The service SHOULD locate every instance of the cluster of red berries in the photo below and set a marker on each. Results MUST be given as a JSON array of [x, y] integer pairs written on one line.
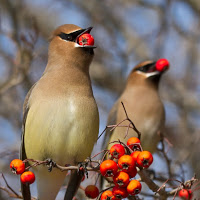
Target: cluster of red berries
[[185, 194], [18, 167], [121, 167]]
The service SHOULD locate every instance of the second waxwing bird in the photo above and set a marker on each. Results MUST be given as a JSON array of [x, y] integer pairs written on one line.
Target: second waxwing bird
[[143, 105], [60, 114]]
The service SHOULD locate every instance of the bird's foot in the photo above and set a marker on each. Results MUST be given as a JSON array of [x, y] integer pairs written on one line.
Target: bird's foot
[[50, 164], [82, 166]]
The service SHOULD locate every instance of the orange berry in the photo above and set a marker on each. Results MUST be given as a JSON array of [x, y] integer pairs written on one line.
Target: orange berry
[[121, 179], [135, 154], [91, 191], [134, 143], [144, 159], [119, 192], [108, 168], [134, 187], [17, 166], [107, 195], [27, 177], [126, 163], [117, 150]]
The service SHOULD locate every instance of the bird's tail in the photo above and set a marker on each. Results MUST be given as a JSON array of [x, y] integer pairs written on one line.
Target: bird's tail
[[26, 192], [74, 183], [48, 183]]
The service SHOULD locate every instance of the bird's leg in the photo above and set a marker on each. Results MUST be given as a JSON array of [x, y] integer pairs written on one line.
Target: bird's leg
[[50, 164], [82, 168]]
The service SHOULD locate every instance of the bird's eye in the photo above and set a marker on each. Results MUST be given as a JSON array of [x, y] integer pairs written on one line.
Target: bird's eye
[[142, 69], [65, 36], [147, 68], [69, 37]]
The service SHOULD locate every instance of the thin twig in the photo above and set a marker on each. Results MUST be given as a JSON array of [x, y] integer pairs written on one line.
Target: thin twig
[[134, 127], [8, 186]]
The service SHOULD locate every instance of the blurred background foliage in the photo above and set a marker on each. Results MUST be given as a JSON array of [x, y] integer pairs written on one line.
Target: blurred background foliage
[[126, 32]]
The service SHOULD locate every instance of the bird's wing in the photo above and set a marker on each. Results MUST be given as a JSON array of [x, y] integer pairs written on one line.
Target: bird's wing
[[25, 188], [112, 119]]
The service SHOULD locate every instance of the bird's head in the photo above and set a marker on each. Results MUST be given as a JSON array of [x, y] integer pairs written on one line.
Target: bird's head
[[149, 71], [70, 42]]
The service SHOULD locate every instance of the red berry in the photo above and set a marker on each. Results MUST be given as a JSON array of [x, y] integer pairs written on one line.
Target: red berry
[[126, 163], [86, 40], [144, 159], [132, 173], [190, 193], [134, 187], [107, 195], [91, 191], [17, 166], [117, 150], [108, 168], [27, 177], [134, 155], [119, 192], [162, 64], [121, 179], [184, 194], [134, 143]]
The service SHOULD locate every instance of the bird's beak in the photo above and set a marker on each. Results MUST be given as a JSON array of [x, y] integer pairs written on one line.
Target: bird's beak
[[153, 71], [83, 31]]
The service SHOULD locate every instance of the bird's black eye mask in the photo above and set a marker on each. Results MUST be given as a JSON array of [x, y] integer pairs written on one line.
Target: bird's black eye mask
[[147, 68], [71, 36]]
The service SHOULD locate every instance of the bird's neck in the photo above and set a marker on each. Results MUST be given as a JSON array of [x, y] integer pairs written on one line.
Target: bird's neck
[[68, 71], [67, 62]]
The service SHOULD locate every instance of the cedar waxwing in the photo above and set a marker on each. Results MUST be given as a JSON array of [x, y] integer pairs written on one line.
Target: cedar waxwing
[[143, 105], [60, 115]]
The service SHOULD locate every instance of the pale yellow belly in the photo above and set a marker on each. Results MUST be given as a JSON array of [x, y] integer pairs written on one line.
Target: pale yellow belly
[[63, 131]]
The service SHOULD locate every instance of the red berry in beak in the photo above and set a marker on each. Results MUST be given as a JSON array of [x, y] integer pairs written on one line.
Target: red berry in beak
[[86, 40], [162, 65]]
